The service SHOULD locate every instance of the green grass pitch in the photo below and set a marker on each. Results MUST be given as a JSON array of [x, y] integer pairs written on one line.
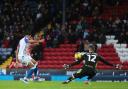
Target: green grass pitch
[[58, 85]]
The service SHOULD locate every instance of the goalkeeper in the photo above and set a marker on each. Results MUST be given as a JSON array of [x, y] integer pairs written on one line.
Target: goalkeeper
[[91, 59]]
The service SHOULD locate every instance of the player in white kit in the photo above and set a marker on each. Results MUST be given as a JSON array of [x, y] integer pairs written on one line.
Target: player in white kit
[[23, 56]]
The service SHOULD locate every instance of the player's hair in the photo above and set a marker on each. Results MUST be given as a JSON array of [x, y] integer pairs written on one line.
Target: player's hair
[[93, 47]]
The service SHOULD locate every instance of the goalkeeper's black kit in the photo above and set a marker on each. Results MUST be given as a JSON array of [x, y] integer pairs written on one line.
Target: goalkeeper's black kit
[[89, 68]]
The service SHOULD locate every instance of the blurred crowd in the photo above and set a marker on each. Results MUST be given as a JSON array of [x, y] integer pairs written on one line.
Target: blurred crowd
[[16, 19], [19, 17]]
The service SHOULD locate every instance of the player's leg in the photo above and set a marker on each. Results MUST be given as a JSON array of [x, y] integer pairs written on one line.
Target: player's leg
[[79, 74], [91, 73], [33, 67], [28, 73], [35, 71], [30, 70], [28, 61]]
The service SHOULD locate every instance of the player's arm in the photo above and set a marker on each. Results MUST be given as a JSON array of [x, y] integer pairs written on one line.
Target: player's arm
[[118, 66], [105, 62], [32, 41], [66, 66], [34, 44], [35, 41], [76, 62]]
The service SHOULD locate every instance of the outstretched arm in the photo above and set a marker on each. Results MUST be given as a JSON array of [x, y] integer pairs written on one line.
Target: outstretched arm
[[117, 66], [36, 41], [33, 41], [105, 62], [75, 63], [66, 66]]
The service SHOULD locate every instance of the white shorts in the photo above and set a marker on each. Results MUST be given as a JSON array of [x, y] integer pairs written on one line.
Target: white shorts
[[25, 59]]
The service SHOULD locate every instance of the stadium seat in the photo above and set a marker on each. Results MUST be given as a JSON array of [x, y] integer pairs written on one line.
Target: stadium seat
[[65, 55]]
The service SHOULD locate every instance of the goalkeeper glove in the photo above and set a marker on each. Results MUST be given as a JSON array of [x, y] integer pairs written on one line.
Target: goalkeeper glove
[[118, 66], [66, 66]]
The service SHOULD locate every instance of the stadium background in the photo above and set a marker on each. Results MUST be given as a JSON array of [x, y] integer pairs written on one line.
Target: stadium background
[[66, 25]]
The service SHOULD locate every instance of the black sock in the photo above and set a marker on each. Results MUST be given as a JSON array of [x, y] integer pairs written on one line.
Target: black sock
[[70, 79]]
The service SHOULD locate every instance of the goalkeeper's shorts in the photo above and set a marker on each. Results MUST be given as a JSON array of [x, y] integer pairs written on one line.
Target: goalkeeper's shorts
[[90, 72]]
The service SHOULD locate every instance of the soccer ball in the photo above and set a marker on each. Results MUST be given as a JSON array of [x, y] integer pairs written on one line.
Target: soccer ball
[[78, 55]]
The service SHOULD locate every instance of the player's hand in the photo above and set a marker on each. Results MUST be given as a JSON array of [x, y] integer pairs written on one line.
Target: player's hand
[[66, 66], [118, 66]]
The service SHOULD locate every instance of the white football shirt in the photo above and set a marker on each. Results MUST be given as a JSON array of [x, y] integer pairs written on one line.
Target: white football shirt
[[23, 46]]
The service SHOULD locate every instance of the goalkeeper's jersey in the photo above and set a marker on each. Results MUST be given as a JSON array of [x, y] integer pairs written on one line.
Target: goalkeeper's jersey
[[91, 59]]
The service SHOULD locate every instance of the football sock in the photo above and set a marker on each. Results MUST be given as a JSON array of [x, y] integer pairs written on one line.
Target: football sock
[[70, 79], [36, 71], [29, 73], [32, 70]]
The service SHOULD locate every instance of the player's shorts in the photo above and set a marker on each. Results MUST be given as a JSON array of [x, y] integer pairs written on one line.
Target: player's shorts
[[85, 71], [25, 59]]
